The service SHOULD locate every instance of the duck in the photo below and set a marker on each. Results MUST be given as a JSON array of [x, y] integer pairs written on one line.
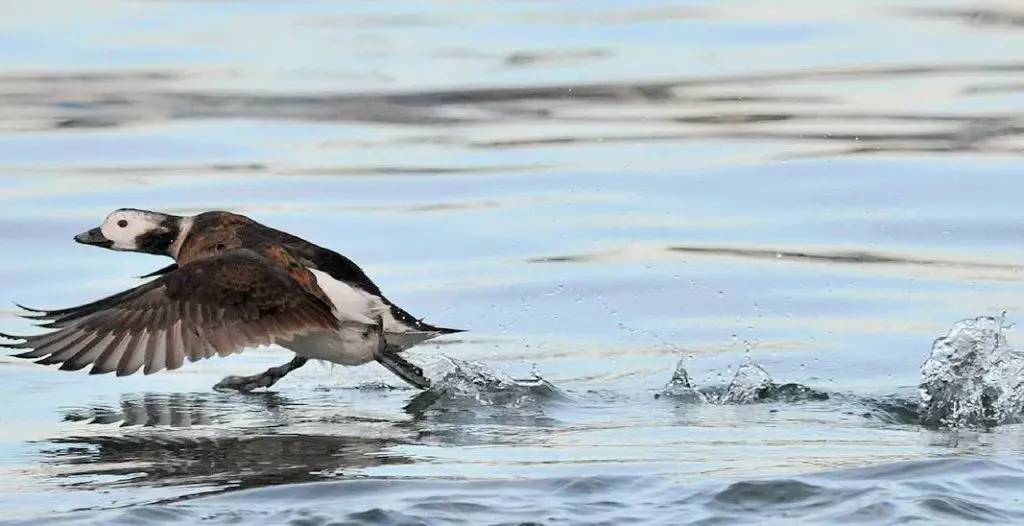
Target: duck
[[234, 284]]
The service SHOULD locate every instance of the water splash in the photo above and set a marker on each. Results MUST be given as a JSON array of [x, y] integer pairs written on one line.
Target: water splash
[[680, 387], [972, 377], [464, 383], [749, 385]]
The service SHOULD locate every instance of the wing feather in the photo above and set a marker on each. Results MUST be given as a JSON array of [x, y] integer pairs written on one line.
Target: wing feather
[[215, 306], [90, 352], [132, 359]]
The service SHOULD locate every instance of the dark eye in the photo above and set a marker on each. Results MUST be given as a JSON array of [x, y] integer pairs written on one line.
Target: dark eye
[[220, 246], [122, 223]]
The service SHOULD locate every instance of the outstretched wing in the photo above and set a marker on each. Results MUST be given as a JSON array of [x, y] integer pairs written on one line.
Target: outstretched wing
[[214, 306], [160, 272]]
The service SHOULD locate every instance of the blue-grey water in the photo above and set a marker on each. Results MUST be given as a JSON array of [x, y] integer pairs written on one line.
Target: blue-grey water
[[791, 200]]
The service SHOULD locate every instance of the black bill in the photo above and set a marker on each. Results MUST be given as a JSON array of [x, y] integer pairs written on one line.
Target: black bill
[[94, 237]]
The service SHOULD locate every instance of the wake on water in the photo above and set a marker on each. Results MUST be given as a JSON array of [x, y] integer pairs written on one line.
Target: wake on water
[[971, 379]]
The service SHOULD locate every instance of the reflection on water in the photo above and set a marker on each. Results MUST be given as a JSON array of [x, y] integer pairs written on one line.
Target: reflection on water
[[223, 462], [233, 445], [569, 114], [824, 106], [158, 409], [860, 257], [234, 441]]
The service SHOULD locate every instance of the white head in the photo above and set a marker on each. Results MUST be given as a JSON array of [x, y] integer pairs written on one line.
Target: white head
[[133, 230]]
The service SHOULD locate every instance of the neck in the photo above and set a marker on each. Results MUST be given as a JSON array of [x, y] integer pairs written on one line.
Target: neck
[[183, 228]]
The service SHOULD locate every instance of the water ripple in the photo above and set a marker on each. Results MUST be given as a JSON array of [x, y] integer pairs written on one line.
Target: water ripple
[[853, 496]]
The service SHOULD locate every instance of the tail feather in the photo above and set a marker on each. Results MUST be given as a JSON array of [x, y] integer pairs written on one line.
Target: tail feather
[[418, 325], [443, 330]]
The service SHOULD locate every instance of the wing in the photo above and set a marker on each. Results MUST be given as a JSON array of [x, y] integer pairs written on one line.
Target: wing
[[214, 306], [160, 272]]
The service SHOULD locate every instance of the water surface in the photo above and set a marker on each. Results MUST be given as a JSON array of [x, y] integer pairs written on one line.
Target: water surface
[[596, 190]]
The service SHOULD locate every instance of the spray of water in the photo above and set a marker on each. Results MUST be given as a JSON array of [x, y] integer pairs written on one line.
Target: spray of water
[[751, 384], [972, 377]]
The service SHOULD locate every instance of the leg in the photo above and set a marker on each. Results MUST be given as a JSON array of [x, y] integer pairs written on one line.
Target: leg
[[388, 356], [265, 379]]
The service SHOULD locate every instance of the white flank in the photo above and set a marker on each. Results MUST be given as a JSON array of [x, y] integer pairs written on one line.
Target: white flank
[[353, 343], [354, 305], [350, 304]]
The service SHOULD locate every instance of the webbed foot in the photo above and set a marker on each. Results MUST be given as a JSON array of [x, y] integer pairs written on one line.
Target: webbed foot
[[267, 378], [388, 356]]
